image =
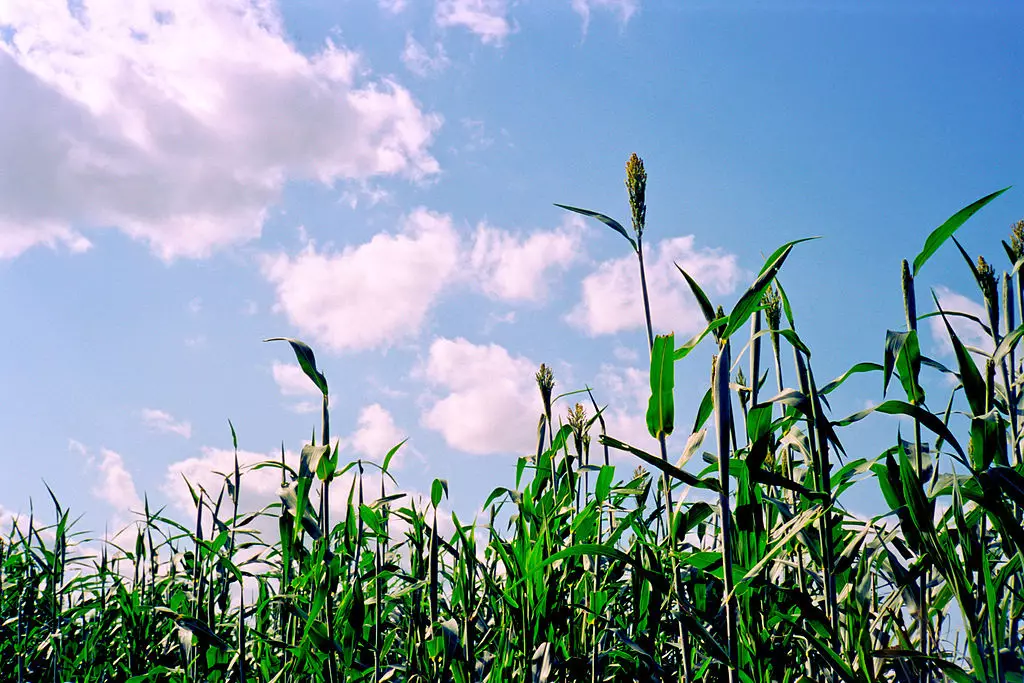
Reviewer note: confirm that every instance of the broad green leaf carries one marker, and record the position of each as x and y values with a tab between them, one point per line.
438	489
946	230
604	483
660	407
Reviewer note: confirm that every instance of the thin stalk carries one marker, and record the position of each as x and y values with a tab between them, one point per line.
325	498
910	310
723	418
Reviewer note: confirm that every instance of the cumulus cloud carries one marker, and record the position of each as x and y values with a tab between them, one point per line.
625	391
421	61
625	9
178	123
514	267
612	301
381	292
376	434
116	485
207	471
375	294
490	402
487	19
969	332
162	421
292	381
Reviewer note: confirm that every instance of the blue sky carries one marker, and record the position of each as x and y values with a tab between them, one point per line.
181	180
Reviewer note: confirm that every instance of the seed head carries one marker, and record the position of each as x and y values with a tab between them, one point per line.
744	390
987	280
545	382
580	428
772	308
1017	239
636	183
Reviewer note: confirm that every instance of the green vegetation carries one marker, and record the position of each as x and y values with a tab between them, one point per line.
597	575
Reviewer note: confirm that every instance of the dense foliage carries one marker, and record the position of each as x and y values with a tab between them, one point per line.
583	572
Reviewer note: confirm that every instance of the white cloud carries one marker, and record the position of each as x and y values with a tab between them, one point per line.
419	60
514	268
292	381
376	434
491	402
969	332
374	294
116	485
393	6
625	9
487	19
207	471
381	292
625	391
165	422
195	306
612	300
178	123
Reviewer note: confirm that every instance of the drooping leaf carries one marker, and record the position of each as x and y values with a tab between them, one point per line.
610	222
307	361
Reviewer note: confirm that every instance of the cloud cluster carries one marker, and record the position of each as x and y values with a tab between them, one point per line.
490	401
179	122
612	301
381	292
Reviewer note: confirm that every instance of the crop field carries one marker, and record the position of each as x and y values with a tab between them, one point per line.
727	555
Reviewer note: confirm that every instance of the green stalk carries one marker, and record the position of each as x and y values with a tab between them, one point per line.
325	498
910	309
723	418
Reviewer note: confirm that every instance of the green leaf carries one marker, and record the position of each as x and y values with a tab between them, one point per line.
668	468
946	230
307	361
702	299
437	489
926	418
660	408
751	299
391	454
604	483
856	369
610	222
970	377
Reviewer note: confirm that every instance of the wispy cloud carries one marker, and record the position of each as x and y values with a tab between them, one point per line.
625	9
165	422
487	19
421	61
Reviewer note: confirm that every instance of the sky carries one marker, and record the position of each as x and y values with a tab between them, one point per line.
180	180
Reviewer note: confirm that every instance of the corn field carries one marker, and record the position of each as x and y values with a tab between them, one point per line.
729	556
